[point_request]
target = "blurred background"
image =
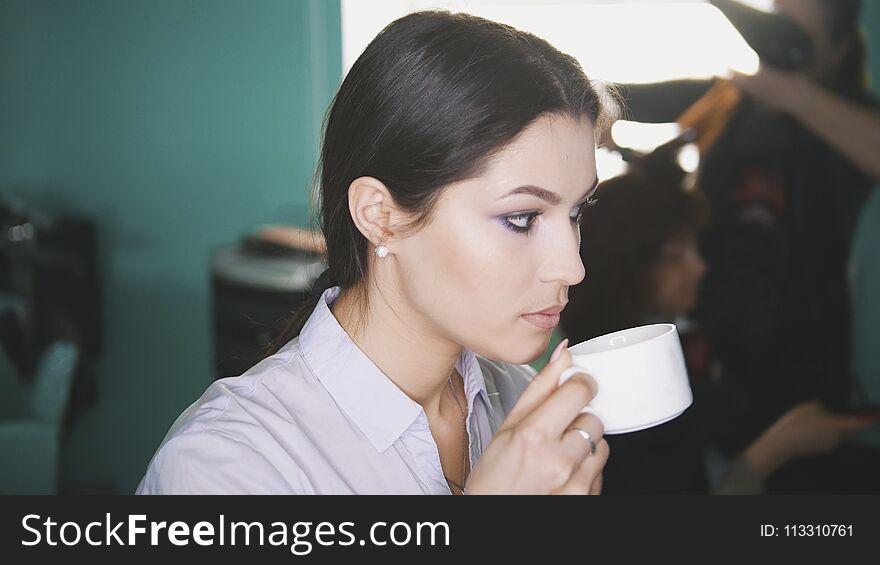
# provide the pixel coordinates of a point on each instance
(146, 149)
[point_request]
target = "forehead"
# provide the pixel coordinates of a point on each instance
(556, 153)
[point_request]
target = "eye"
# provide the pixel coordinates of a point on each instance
(520, 223)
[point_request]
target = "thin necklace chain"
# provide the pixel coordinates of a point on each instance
(464, 440)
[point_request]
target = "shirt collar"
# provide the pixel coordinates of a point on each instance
(367, 396)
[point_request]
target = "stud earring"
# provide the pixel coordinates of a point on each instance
(381, 251)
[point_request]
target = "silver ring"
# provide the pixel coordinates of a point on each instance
(586, 435)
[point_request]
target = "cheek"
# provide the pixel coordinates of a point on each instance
(472, 281)
(671, 286)
(688, 284)
(466, 269)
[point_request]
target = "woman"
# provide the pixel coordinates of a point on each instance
(651, 272)
(457, 157)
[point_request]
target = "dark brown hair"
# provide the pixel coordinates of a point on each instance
(636, 215)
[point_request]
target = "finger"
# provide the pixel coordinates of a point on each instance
(555, 414)
(542, 386)
(584, 477)
(575, 442)
(597, 485)
(848, 425)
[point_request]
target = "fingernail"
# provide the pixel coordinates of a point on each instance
(558, 350)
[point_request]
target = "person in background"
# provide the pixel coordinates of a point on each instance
(785, 182)
(457, 158)
(640, 243)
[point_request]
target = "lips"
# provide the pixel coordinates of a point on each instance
(546, 319)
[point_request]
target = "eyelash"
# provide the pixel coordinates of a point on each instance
(530, 217)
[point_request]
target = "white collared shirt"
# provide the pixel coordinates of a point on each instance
(319, 417)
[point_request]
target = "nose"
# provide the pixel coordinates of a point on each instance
(563, 262)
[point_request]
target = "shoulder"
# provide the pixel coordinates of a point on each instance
(209, 461)
(228, 440)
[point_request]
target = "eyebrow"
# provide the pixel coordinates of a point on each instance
(544, 194)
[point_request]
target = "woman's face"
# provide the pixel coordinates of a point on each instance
(677, 275)
(505, 244)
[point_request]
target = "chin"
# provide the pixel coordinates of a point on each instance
(526, 350)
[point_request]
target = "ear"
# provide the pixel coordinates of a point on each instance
(372, 208)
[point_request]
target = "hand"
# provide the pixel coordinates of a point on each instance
(536, 451)
(809, 429)
(780, 90)
(805, 430)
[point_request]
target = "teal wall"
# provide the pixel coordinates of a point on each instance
(178, 125)
(871, 19)
(866, 263)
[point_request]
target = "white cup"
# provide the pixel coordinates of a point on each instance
(641, 374)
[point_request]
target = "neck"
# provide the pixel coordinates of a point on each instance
(402, 345)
